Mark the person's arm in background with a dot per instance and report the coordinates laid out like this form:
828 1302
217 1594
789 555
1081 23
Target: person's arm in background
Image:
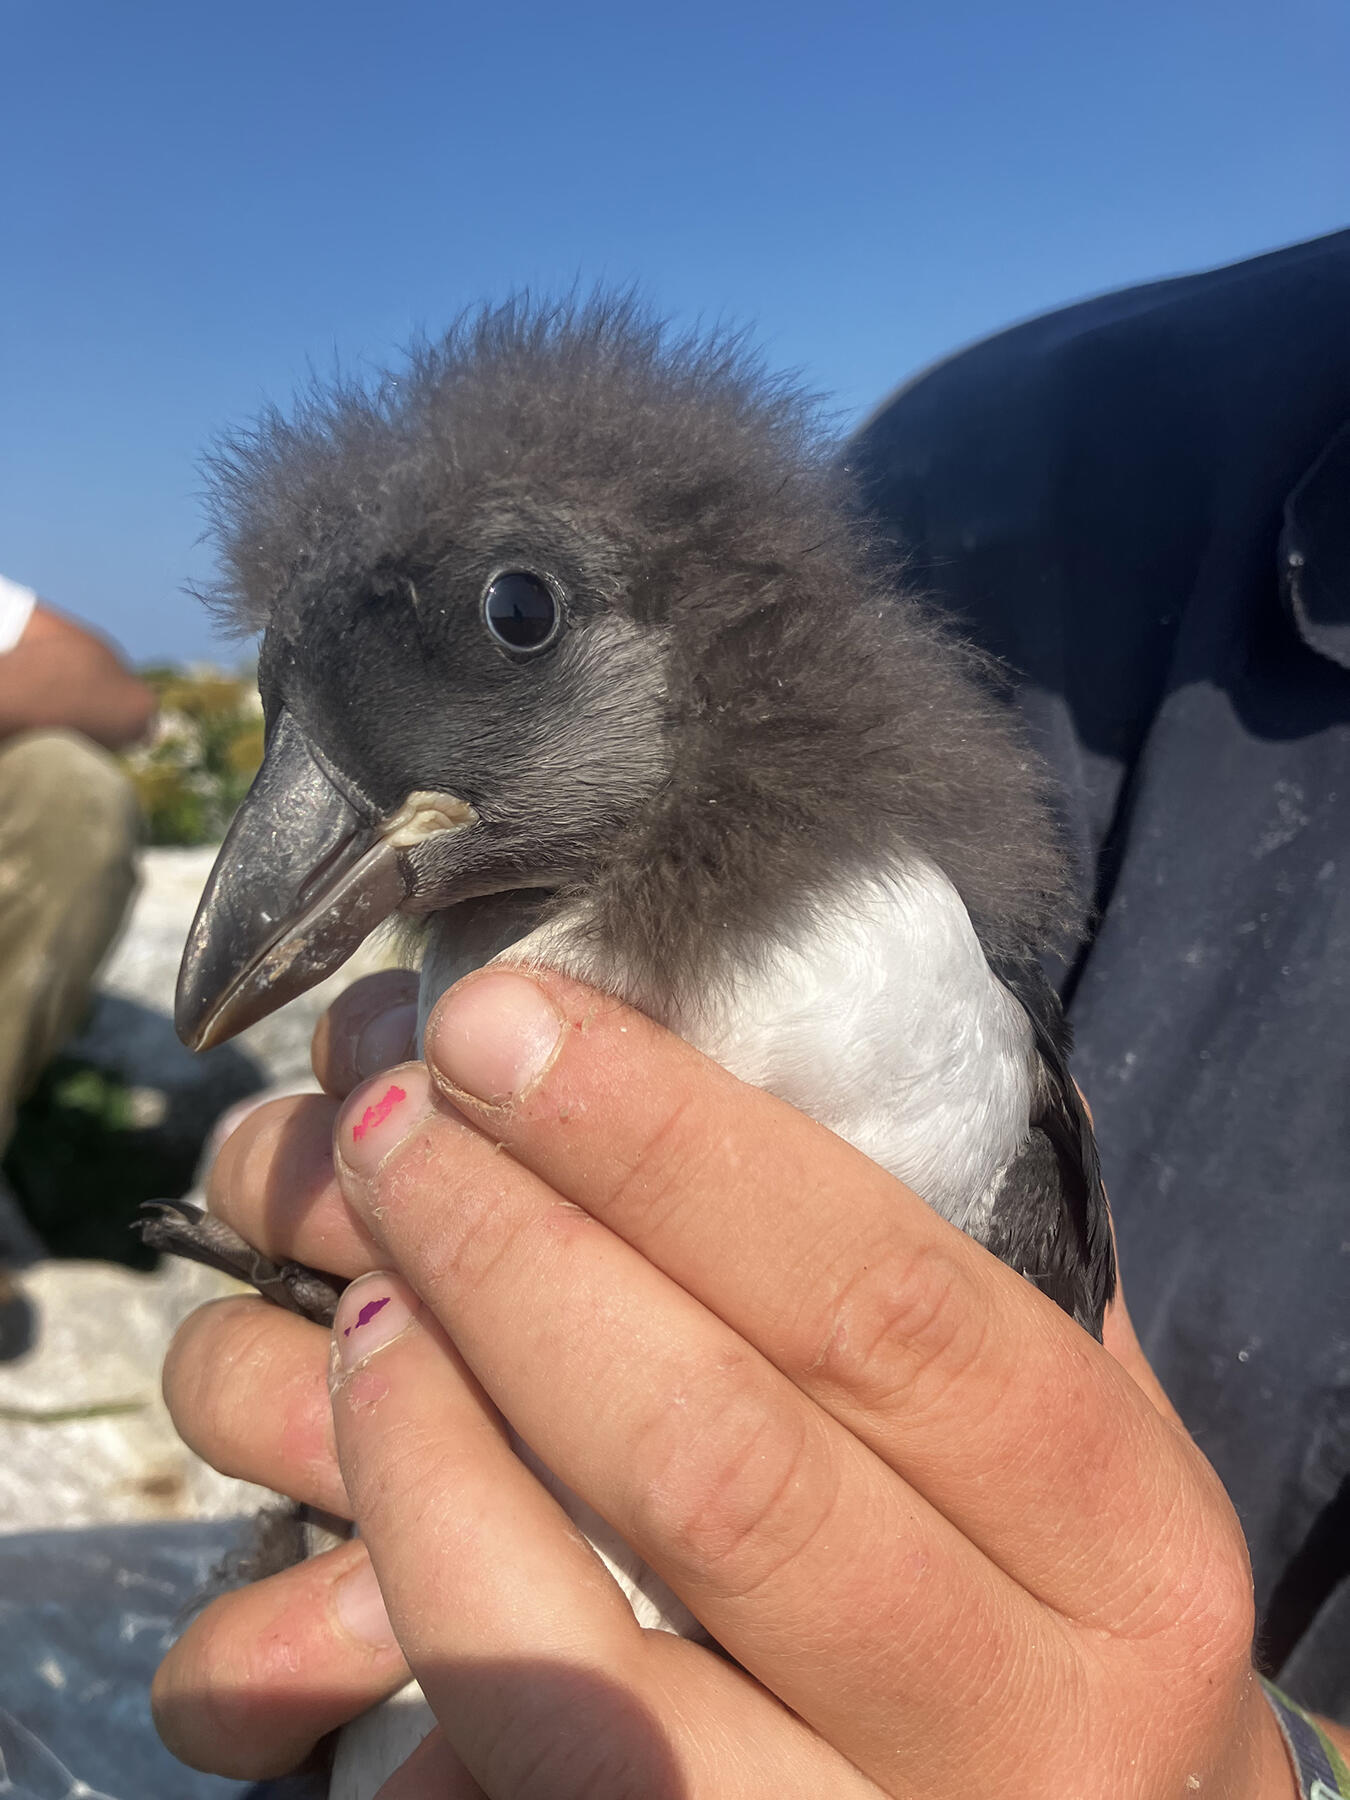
62 675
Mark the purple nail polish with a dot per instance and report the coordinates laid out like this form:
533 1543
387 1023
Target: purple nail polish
366 1314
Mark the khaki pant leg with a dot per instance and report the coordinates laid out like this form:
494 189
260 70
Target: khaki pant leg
69 826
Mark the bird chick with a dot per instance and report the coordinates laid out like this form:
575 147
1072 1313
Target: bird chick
577 649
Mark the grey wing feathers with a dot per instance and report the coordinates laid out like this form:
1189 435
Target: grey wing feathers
1050 1219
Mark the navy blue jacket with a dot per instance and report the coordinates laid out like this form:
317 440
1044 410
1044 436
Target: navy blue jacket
1143 505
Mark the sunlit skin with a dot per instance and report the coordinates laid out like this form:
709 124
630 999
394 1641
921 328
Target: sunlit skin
959 1546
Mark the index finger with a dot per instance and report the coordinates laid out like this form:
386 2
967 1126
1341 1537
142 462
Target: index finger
985 1398
372 1025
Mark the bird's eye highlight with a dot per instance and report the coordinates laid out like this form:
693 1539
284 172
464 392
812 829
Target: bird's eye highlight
520 610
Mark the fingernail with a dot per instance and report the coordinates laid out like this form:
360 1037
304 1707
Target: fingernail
388 1039
360 1608
371 1313
380 1115
493 1037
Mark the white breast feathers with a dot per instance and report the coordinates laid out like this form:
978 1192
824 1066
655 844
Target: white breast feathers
877 1015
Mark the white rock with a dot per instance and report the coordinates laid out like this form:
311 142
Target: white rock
85 1437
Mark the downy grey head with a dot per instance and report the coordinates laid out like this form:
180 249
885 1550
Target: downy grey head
573 605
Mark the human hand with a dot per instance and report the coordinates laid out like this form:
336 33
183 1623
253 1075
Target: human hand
955 1544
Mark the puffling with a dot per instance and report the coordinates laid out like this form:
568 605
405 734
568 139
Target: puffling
577 648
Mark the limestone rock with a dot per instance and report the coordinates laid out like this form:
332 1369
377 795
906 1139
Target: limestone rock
85 1437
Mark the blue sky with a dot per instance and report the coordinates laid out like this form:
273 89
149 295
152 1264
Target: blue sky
199 203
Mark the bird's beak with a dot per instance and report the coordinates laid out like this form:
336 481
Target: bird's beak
304 875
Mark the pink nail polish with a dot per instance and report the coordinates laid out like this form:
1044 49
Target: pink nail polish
380 1115
379 1112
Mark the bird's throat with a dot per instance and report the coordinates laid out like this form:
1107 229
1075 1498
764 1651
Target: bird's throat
462 938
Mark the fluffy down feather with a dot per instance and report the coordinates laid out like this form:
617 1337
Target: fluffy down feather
824 721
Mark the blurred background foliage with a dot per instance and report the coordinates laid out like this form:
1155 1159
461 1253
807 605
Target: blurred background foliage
89 1146
205 748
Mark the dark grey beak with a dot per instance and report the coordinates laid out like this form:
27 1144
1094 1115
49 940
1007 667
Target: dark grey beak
303 877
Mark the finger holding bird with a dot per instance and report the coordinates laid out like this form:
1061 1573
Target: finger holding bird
874 1308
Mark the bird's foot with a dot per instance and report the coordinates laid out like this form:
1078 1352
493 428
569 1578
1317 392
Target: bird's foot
183 1228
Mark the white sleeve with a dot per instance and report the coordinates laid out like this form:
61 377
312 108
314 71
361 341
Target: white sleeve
16 609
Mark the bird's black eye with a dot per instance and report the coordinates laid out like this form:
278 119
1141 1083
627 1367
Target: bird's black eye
520 610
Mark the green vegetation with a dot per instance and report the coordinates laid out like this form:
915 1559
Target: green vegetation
202 755
81 1162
